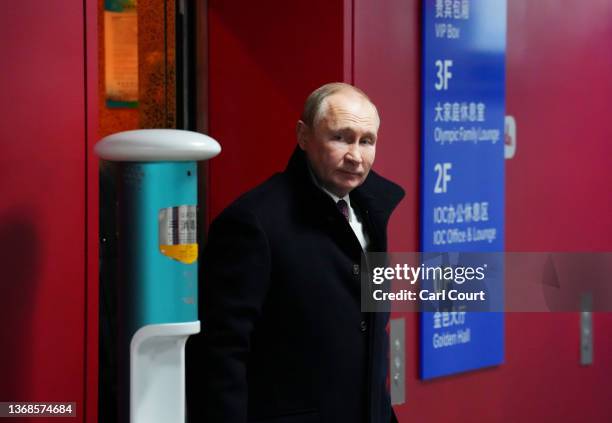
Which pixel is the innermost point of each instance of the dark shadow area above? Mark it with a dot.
(108, 327)
(19, 261)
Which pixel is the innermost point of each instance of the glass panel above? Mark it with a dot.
(137, 65)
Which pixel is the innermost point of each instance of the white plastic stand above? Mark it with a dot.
(157, 372)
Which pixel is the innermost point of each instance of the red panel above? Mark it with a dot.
(42, 202)
(559, 87)
(92, 239)
(265, 58)
(558, 197)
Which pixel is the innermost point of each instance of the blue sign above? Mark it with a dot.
(463, 99)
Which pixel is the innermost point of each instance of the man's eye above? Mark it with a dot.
(367, 141)
(336, 137)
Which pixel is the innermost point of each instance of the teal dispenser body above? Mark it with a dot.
(159, 222)
(156, 214)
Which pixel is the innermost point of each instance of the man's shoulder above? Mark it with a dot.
(267, 198)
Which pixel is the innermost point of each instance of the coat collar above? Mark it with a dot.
(375, 195)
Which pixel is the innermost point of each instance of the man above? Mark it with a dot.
(283, 336)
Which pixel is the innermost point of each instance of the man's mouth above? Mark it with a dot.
(348, 172)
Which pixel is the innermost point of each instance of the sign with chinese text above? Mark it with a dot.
(462, 207)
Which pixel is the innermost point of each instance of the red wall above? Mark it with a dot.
(264, 58)
(559, 78)
(42, 203)
(49, 205)
(559, 87)
(559, 73)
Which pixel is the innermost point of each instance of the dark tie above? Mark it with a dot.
(343, 208)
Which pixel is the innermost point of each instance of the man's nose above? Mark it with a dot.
(354, 153)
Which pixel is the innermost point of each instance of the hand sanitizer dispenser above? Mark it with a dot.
(156, 210)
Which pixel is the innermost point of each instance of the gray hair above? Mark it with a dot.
(315, 101)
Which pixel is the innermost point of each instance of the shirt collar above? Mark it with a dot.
(336, 198)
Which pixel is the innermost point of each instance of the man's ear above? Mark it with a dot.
(302, 133)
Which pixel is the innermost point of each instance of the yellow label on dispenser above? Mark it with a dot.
(185, 253)
(178, 233)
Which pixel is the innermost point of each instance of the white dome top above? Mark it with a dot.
(157, 145)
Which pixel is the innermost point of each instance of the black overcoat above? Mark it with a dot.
(283, 337)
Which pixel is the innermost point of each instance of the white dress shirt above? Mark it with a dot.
(353, 219)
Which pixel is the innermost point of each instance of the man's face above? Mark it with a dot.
(341, 145)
